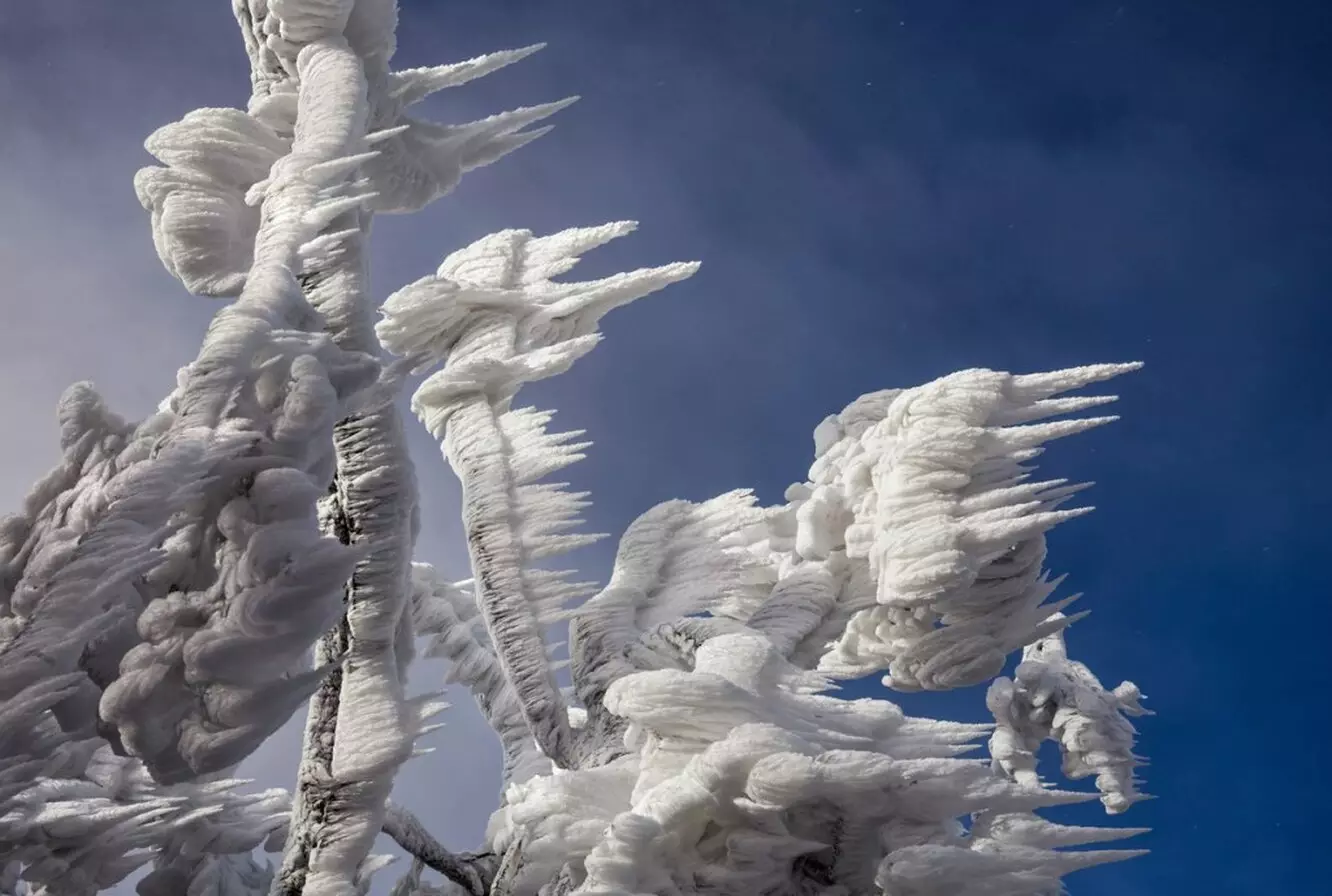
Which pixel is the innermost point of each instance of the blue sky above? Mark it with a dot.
(881, 192)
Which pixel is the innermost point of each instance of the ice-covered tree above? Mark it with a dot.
(176, 588)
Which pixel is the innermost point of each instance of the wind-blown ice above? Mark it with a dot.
(496, 317)
(78, 818)
(1053, 697)
(447, 614)
(161, 589)
(916, 546)
(936, 496)
(184, 530)
(742, 779)
(677, 560)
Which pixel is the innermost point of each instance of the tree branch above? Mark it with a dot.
(471, 872)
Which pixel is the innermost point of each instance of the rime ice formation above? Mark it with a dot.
(445, 613)
(1053, 697)
(176, 564)
(936, 496)
(175, 588)
(494, 312)
(916, 545)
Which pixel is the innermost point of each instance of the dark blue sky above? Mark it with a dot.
(881, 192)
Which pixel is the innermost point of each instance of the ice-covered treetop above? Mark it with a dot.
(162, 587)
(701, 670)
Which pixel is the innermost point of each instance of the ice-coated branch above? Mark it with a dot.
(331, 111)
(496, 316)
(472, 873)
(936, 495)
(447, 614)
(677, 560)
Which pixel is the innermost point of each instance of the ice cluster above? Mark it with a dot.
(77, 818)
(700, 748)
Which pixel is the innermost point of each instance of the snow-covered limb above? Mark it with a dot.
(205, 204)
(446, 613)
(495, 316)
(935, 494)
(325, 102)
(472, 873)
(677, 560)
(326, 80)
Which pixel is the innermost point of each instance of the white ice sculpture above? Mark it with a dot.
(175, 588)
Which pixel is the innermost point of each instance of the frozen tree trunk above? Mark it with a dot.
(360, 728)
(357, 729)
